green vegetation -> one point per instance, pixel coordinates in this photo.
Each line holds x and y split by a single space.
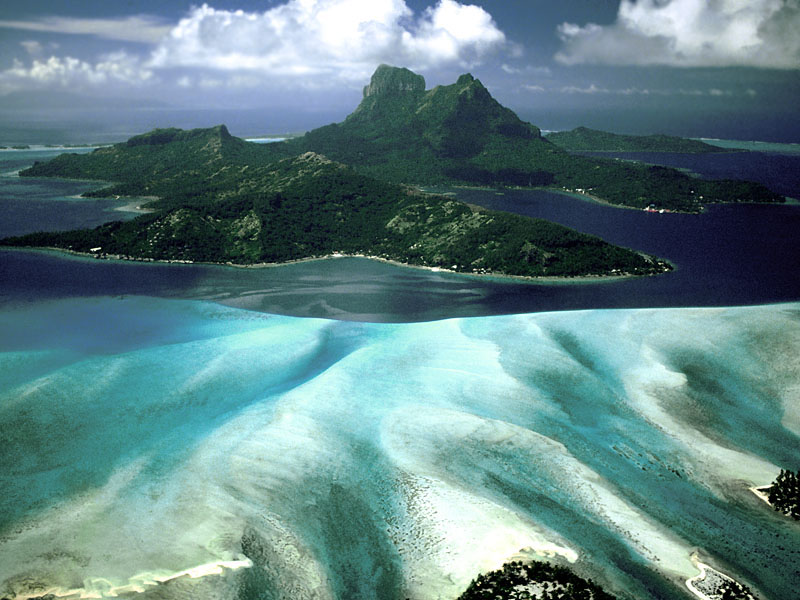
166 163
454 134
732 590
218 198
533 581
308 206
458 134
784 494
583 139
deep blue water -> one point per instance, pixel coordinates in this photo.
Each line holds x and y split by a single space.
49 204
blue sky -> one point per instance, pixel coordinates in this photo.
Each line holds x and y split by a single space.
631 63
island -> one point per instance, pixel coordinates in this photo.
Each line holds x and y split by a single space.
353 188
538 580
784 493
215 208
583 139
454 134
459 134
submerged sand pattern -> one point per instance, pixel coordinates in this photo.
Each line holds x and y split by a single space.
169 449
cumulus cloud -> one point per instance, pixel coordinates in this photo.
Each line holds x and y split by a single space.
141 28
74 74
690 33
313 44
343 38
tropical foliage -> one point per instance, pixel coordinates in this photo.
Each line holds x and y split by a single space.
308 206
533 581
784 494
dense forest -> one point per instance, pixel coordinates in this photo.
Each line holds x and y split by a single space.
309 206
533 581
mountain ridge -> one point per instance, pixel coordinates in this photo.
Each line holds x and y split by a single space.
401 133
459 134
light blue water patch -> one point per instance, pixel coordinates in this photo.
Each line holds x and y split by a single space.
142 437
131 377
754 146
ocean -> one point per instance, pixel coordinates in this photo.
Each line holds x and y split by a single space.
353 429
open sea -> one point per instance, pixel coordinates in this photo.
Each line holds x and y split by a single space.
352 429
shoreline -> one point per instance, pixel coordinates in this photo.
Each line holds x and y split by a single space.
597 200
572 194
709 581
136 207
759 492
137 583
134 204
544 279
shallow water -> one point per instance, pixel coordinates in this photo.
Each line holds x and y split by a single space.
143 437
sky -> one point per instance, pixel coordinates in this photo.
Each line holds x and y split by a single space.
720 68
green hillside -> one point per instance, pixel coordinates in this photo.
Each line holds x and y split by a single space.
308 206
459 134
167 163
402 133
534 580
583 139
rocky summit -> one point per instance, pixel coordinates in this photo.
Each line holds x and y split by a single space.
391 80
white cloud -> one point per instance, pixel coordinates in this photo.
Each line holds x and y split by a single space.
345 39
313 44
528 69
592 89
32 47
74 74
690 33
141 28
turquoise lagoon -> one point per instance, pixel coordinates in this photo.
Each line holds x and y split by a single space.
306 458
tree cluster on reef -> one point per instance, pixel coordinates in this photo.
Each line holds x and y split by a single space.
784 494
732 590
533 581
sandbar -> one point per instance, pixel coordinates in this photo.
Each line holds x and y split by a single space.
706 585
